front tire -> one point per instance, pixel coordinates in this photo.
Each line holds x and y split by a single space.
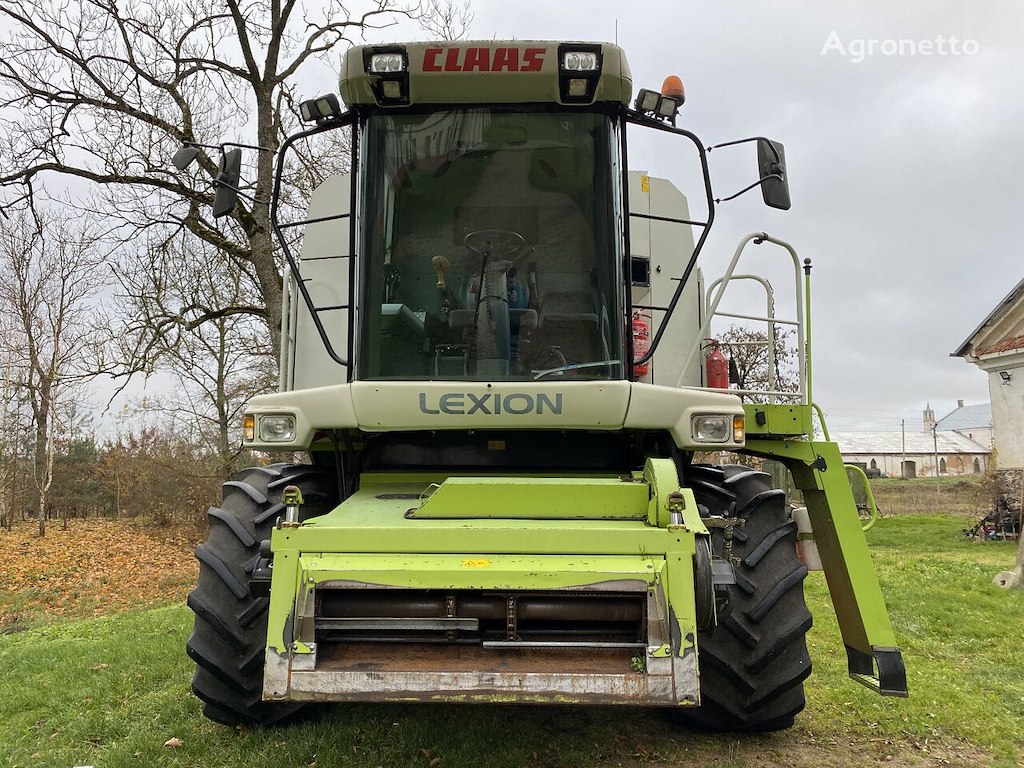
228 641
752 666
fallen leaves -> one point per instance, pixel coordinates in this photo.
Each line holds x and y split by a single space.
96 567
173 743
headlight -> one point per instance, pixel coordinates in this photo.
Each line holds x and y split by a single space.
712 429
277 428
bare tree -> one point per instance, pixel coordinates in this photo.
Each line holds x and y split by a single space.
12 374
216 364
107 90
47 279
446 19
750 361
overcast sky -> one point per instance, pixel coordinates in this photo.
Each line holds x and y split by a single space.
906 171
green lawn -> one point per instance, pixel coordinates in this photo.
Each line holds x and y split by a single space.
109 692
960 636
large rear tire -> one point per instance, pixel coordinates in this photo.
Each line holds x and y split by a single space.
752 666
228 642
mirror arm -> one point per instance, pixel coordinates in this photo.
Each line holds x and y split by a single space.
226 144
757 183
745 141
218 183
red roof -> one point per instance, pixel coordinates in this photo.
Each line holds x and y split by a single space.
1017 342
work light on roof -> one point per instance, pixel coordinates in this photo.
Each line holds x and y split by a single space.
647 100
320 108
662 106
668 107
579 61
381 63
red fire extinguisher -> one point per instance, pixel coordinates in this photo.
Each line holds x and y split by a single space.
641 341
717 366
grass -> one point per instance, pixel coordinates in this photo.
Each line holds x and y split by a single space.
109 692
960 637
969 496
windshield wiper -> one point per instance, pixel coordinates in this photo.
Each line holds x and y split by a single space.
537 375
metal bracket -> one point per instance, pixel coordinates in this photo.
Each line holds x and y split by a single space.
891 679
303 656
449 612
727 524
511 619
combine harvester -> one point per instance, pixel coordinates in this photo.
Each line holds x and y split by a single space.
494 354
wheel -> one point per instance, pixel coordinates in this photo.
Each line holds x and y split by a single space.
752 666
228 641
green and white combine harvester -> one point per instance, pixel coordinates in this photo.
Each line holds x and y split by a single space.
493 351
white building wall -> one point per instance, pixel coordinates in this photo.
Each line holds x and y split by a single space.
980 435
1007 397
889 464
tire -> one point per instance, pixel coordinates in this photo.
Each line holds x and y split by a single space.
752 666
228 641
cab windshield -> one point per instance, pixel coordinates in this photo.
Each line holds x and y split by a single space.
489 251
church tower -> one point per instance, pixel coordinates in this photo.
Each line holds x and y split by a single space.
929 418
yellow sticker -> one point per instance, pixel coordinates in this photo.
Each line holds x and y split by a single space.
476 563
645 183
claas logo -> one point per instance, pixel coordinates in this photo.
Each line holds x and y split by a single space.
483 59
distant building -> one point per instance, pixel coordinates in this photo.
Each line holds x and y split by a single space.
929 418
885 452
972 421
960 444
997 347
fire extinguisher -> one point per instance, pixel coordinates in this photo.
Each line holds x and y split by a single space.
641 341
717 367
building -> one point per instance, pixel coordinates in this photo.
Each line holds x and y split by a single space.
997 347
885 452
971 421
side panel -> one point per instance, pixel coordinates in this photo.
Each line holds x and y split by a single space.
668 246
324 264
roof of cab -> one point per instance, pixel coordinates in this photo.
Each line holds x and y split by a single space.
483 72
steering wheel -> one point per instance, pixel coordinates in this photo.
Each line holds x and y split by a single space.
503 243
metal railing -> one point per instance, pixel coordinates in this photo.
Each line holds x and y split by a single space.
713 298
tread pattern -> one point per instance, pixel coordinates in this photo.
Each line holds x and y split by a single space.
753 667
234 524
229 635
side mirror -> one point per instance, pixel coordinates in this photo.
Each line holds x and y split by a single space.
228 176
183 157
771 164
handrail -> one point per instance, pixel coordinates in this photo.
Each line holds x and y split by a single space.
713 298
770 320
637 118
345 120
821 420
872 507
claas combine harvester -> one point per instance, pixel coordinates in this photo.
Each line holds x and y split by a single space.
494 353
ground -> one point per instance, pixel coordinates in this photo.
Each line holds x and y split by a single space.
105 567
92 568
